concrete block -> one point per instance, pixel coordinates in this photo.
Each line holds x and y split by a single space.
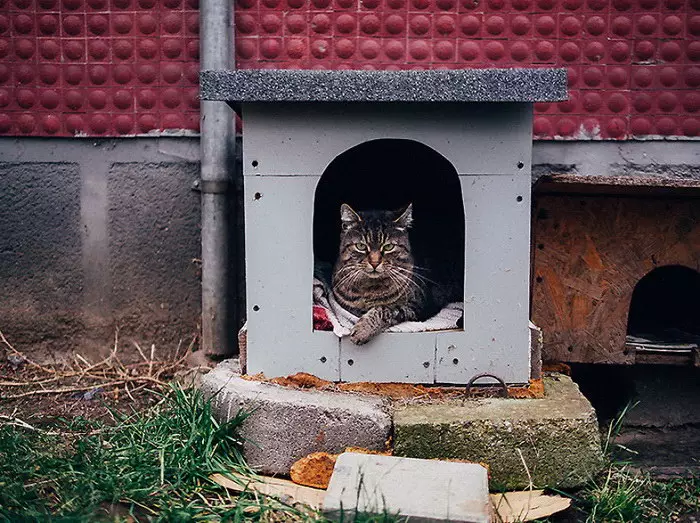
154 242
41 276
286 424
556 438
422 490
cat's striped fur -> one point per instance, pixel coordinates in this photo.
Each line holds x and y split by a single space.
375 276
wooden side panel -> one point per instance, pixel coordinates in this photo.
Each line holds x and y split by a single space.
589 253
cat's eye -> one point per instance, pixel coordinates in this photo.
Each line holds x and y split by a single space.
388 247
362 247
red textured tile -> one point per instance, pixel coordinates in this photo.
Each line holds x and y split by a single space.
270 24
545 25
666 125
43 6
674 25
446 26
571 52
494 26
521 25
642 103
26 123
614 127
617 77
119 67
173 49
647 25
94 5
619 51
296 25
72 25
571 25
419 25
520 52
573 77
74 99
690 127
595 25
545 52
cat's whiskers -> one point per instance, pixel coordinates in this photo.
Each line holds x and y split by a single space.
420 277
408 282
347 268
401 289
345 279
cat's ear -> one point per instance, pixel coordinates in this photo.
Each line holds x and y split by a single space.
348 217
405 219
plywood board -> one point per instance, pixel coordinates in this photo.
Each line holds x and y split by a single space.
589 253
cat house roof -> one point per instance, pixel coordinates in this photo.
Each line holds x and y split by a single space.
456 85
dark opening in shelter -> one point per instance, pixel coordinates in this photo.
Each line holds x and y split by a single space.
665 305
388 174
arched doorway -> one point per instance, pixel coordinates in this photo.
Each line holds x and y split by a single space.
388 174
665 306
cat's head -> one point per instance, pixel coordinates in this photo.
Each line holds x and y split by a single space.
376 242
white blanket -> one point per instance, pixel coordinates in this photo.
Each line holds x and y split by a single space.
343 321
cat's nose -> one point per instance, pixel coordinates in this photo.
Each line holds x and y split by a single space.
374 259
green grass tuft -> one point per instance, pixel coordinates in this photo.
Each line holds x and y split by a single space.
153 465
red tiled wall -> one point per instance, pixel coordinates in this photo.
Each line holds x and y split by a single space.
98 67
113 67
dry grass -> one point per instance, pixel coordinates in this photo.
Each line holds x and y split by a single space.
81 375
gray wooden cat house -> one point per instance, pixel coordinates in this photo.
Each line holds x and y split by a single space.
457 144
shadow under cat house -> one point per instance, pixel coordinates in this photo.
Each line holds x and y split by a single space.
396 211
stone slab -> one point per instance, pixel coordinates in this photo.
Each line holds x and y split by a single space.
286 424
459 85
422 490
556 439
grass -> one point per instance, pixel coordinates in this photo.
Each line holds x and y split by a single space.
152 465
622 495
149 466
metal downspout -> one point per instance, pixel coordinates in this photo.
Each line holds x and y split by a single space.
217 146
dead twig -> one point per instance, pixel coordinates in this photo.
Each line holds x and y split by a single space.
145 359
82 375
60 391
24 358
150 362
128 392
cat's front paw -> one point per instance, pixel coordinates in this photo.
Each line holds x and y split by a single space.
362 332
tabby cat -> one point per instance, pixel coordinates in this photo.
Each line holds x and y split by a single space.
375 276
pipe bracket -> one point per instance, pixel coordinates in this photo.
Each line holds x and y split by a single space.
211 186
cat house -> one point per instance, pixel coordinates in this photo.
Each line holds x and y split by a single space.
606 263
456 144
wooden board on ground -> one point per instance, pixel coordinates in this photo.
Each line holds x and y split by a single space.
285 490
510 507
527 506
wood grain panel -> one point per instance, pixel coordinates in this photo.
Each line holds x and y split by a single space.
589 253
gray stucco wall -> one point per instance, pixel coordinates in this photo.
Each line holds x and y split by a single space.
97 236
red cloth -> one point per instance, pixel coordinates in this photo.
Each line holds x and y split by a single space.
321 321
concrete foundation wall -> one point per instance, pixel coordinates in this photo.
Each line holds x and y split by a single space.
100 234
97 235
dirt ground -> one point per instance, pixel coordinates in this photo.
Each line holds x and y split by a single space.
41 393
664 452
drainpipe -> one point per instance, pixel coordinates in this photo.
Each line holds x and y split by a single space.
217 146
